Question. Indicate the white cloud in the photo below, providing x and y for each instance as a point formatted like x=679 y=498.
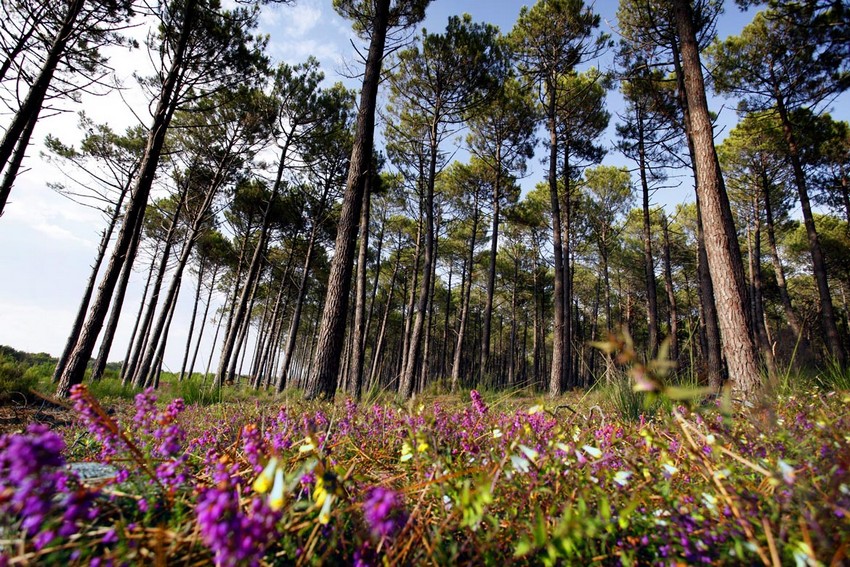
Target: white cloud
x=35 y=206
x=301 y=19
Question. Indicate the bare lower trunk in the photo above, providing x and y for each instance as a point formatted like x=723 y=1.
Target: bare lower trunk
x=414 y=357
x=76 y=367
x=379 y=341
x=790 y=314
x=491 y=275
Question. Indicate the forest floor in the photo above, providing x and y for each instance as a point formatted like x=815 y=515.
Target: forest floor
x=611 y=478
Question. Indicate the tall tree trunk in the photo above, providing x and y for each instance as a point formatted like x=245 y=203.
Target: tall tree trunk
x=118 y=303
x=295 y=321
x=265 y=367
x=164 y=319
x=375 y=281
x=447 y=319
x=229 y=352
x=790 y=314
x=191 y=331
x=212 y=349
x=87 y=293
x=155 y=368
x=379 y=341
x=143 y=338
x=358 y=339
x=137 y=324
x=240 y=347
x=648 y=263
x=78 y=360
x=466 y=292
x=569 y=355
x=672 y=307
x=203 y=324
x=724 y=257
x=491 y=269
x=407 y=312
x=323 y=379
x=556 y=378
x=765 y=348
x=827 y=312
x=19 y=131
x=709 y=330
x=13 y=166
x=512 y=341
x=414 y=357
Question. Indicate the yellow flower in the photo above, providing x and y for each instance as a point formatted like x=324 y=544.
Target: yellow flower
x=325 y=512
x=320 y=493
x=406 y=452
x=264 y=481
x=276 y=497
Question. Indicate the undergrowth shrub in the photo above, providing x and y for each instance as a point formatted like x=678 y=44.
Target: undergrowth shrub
x=15 y=381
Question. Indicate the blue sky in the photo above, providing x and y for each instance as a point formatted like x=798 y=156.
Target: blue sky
x=47 y=243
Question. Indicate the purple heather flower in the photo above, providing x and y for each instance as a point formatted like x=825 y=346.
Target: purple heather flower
x=478 y=402
x=109 y=537
x=84 y=405
x=234 y=536
x=384 y=512
x=252 y=445
x=35 y=487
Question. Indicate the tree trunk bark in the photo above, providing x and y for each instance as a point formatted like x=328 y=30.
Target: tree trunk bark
x=229 y=353
x=556 y=377
x=295 y=321
x=722 y=250
x=143 y=342
x=379 y=341
x=709 y=330
x=323 y=379
x=358 y=340
x=791 y=315
x=118 y=303
x=491 y=270
x=765 y=347
x=414 y=357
